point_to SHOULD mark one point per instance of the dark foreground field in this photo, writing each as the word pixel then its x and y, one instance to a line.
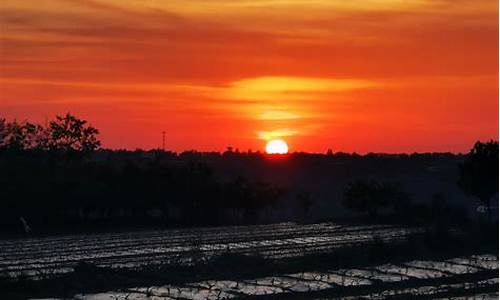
pixel 278 261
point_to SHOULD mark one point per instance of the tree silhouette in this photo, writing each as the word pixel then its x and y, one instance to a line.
pixel 69 133
pixel 3 131
pixel 370 196
pixel 65 133
pixel 479 172
pixel 18 136
pixel 306 202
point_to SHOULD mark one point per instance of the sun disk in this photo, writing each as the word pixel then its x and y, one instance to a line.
pixel 277 146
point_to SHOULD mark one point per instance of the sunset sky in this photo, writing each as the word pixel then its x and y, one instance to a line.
pixel 372 75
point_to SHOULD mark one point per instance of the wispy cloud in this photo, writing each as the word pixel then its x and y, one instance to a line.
pixel 284 88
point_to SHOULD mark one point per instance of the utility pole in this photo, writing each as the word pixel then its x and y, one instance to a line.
pixel 163 144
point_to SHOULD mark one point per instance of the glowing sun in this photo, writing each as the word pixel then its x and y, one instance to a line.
pixel 277 146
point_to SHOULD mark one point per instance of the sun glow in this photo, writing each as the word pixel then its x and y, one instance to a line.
pixel 277 146
pixel 270 88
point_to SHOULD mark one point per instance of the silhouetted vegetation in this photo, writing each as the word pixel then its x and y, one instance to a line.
pixel 371 196
pixel 479 173
pixel 61 193
pixel 64 134
pixel 47 183
pixel 55 178
pixel 305 200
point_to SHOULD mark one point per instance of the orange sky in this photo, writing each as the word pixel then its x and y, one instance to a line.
pixel 372 75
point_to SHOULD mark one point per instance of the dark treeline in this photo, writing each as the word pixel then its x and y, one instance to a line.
pixel 54 178
pixel 50 190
